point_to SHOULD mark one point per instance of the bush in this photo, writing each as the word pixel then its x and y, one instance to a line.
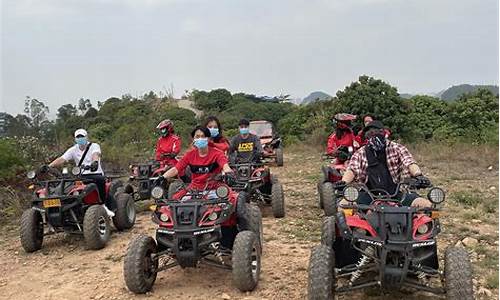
pixel 10 160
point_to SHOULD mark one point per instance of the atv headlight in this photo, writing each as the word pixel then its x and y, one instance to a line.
pixel 164 218
pixel 422 229
pixel 31 174
pixel 65 171
pixel 351 193
pixel 436 195
pixel 213 216
pixel 157 192
pixel 222 191
pixel 75 171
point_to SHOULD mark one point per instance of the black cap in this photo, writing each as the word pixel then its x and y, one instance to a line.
pixel 373 124
pixel 244 122
pixel 203 129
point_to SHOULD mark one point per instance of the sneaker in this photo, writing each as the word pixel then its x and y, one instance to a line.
pixel 109 212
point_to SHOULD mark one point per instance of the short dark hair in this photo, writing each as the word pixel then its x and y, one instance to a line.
pixel 244 122
pixel 203 129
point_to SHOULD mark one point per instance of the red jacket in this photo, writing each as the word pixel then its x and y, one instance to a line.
pixel 333 142
pixel 222 144
pixel 171 144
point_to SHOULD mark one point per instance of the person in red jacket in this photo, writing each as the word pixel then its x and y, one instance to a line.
pixel 168 145
pixel 216 139
pixel 342 137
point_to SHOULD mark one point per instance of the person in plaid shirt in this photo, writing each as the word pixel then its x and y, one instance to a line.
pixel 381 164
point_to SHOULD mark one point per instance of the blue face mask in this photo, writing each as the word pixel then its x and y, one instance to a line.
pixel 244 130
pixel 81 141
pixel 200 143
pixel 214 132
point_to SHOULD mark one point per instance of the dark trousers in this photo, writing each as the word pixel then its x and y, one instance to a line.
pixel 100 181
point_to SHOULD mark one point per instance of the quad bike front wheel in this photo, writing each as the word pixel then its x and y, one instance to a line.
pixel 458 274
pixel 31 230
pixel 329 199
pixel 125 213
pixel 246 258
pixel 279 156
pixel 139 267
pixel 321 281
pixel 96 227
pixel 278 200
pixel 328 231
pixel 256 222
pixel 322 179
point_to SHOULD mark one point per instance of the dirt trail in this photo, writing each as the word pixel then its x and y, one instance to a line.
pixel 64 269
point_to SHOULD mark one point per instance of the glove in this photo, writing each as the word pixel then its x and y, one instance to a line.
pixel 94 166
pixel 230 179
pixel 339 185
pixel 44 169
pixel 159 181
pixel 422 181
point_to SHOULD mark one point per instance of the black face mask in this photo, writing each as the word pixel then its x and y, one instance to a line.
pixel 377 142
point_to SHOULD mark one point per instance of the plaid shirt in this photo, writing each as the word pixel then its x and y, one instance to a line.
pixel 398 161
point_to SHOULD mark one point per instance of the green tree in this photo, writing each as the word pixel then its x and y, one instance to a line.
pixel 374 96
pixel 428 114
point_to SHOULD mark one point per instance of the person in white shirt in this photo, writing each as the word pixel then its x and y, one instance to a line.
pixel 93 159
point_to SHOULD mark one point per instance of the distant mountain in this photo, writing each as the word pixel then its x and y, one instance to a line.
pixel 406 96
pixel 314 96
pixel 454 92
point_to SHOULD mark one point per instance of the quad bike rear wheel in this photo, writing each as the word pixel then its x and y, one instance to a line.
pixel 246 258
pixel 322 179
pixel 458 274
pixel 329 199
pixel 96 227
pixel 278 200
pixel 174 187
pixel 125 213
pixel 321 281
pixel 279 156
pixel 256 222
pixel 31 230
pixel 328 231
pixel 139 267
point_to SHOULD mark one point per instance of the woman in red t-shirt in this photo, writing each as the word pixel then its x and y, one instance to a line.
pixel 202 160
pixel 216 139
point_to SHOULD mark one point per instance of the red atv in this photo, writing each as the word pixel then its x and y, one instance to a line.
pixel 71 203
pixel 386 245
pixel 331 174
pixel 256 180
pixel 200 227
pixel 142 177
pixel 272 145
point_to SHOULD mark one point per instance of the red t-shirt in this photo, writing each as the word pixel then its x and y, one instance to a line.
pixel 202 168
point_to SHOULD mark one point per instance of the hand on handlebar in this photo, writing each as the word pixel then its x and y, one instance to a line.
pixel 422 181
pixel 339 185
pixel 44 169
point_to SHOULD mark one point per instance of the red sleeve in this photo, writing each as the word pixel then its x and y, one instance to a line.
pixel 221 158
pixel 158 151
pixel 222 146
pixel 176 145
pixel 183 163
pixel 332 144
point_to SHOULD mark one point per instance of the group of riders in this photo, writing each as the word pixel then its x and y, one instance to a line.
pixel 374 159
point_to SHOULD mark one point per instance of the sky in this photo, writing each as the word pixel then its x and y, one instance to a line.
pixel 61 50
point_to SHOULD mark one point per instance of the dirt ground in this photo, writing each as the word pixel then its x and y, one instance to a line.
pixel 64 269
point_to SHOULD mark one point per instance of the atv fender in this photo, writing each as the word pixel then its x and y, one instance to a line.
pixel 91 194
